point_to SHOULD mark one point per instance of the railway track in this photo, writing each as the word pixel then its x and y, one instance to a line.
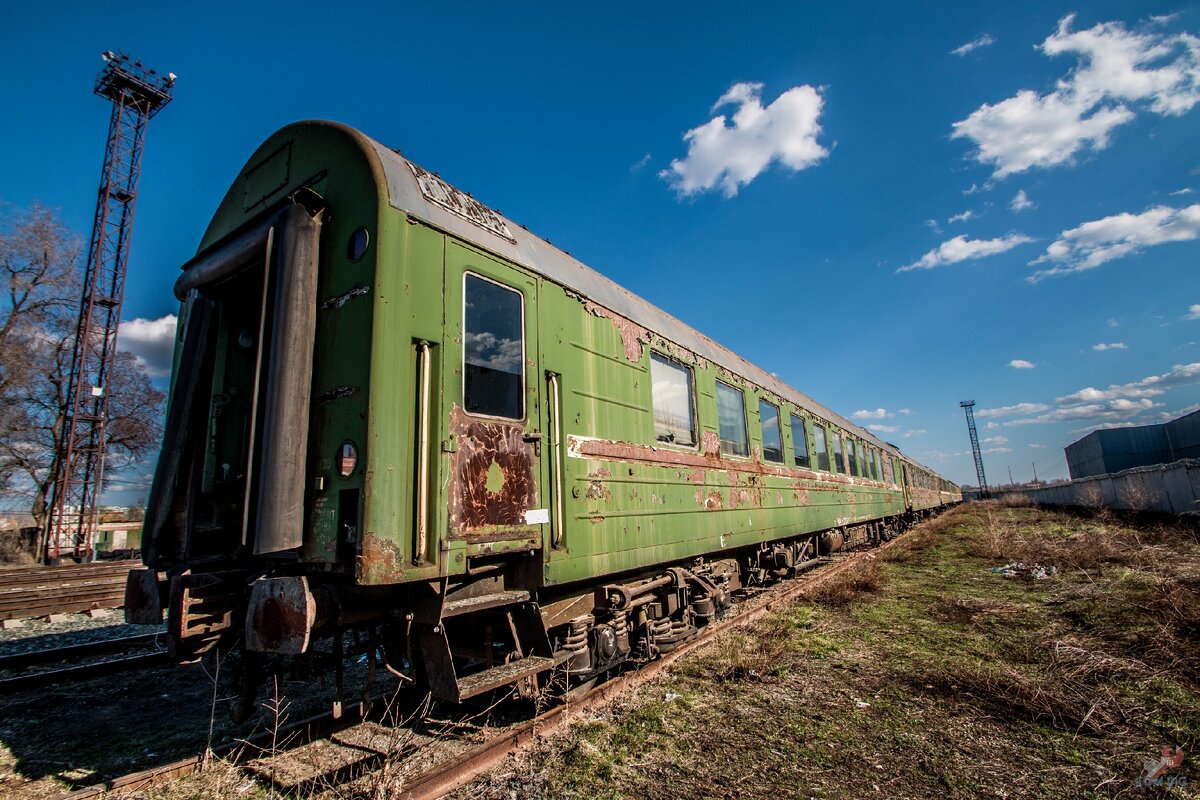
pixel 38 591
pixel 87 651
pixel 464 766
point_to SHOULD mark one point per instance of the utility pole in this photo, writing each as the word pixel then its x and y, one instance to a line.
pixel 1010 480
pixel 1035 480
pixel 137 93
pixel 969 405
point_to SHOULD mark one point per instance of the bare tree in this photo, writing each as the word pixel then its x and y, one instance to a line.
pixel 41 259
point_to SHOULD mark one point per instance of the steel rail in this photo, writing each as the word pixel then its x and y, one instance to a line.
pixel 466 766
pixel 20 661
pixel 82 672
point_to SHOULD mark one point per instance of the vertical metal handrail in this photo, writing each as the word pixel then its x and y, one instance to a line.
pixel 423 359
pixel 258 357
pixel 556 458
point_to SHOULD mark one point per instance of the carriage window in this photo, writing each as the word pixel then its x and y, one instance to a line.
pixel 875 464
pixel 799 442
pixel 772 437
pixel 839 464
pixel 819 447
pixel 862 460
pixel 851 457
pixel 731 420
pixel 493 349
pixel 674 422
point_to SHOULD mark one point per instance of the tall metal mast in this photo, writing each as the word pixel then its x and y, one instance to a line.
pixel 969 405
pixel 137 94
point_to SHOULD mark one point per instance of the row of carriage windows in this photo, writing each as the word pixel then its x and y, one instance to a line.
pixel 493 377
pixel 832 451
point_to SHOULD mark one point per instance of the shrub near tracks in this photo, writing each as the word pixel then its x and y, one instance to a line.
pixel 934 677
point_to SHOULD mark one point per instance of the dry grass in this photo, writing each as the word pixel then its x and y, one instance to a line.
pixel 851 586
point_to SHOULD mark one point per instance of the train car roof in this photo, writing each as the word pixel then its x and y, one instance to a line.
pixel 425 196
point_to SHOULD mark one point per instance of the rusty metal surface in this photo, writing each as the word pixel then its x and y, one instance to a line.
pixel 281 615
pixel 492 481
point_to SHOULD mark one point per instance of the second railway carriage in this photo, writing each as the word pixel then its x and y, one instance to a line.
pixel 392 407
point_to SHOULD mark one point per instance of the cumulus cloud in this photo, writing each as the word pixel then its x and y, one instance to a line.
pixel 1193 311
pixel 982 41
pixel 1115 405
pixel 1020 363
pixel 884 428
pixel 914 432
pixel 729 153
pixel 1019 408
pixel 1021 202
pixel 996 440
pixel 1037 446
pixel 1151 386
pixel 1103 240
pixel 1109 346
pixel 151 341
pixel 904 411
pixel 963 217
pixel 879 413
pixel 1118 72
pixel 1180 192
pixel 960 248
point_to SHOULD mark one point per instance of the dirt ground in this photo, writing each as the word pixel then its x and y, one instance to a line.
pixel 927 674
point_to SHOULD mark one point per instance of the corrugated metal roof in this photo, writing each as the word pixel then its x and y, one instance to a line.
pixel 524 248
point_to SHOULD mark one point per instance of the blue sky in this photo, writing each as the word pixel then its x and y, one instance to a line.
pixel 850 197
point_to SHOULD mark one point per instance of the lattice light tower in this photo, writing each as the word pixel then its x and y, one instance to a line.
pixel 969 405
pixel 137 93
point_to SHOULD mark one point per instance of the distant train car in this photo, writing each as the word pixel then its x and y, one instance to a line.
pixel 393 408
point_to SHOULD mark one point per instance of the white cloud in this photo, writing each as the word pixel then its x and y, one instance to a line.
pixel 1109 346
pixel 879 413
pixel 1180 192
pixel 640 163
pixel 1151 386
pixel 1193 311
pixel 996 440
pixel 152 341
pixel 932 224
pixel 1021 202
pixel 905 411
pixel 915 432
pixel 1115 68
pixel 1037 446
pixel 730 156
pixel 991 426
pixel 963 217
pixel 982 41
pixel 884 428
pixel 1099 241
pixel 960 248
pixel 1113 409
pixel 998 450
pixel 1114 323
pixel 1020 363
pixel 1019 408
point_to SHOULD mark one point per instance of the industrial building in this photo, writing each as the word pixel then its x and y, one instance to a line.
pixel 1114 449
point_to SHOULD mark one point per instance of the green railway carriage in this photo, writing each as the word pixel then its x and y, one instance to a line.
pixel 391 406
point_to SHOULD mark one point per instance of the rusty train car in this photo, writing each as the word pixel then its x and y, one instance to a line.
pixel 394 409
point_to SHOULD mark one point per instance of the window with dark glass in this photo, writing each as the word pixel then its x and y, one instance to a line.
pixel 493 349
pixel 839 463
pixel 851 457
pixel 820 448
pixel 731 420
pixel 772 437
pixel 799 442
pixel 671 386
pixel 862 459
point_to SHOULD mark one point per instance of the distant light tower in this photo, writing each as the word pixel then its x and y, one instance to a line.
pixel 137 94
pixel 969 405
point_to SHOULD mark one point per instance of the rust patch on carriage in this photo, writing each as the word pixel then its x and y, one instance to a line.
pixel 711 444
pixel 598 491
pixel 711 501
pixel 492 478
pixel 380 560
pixel 699 476
pixel 633 336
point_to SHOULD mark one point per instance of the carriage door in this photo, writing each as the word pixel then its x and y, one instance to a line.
pixel 492 389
